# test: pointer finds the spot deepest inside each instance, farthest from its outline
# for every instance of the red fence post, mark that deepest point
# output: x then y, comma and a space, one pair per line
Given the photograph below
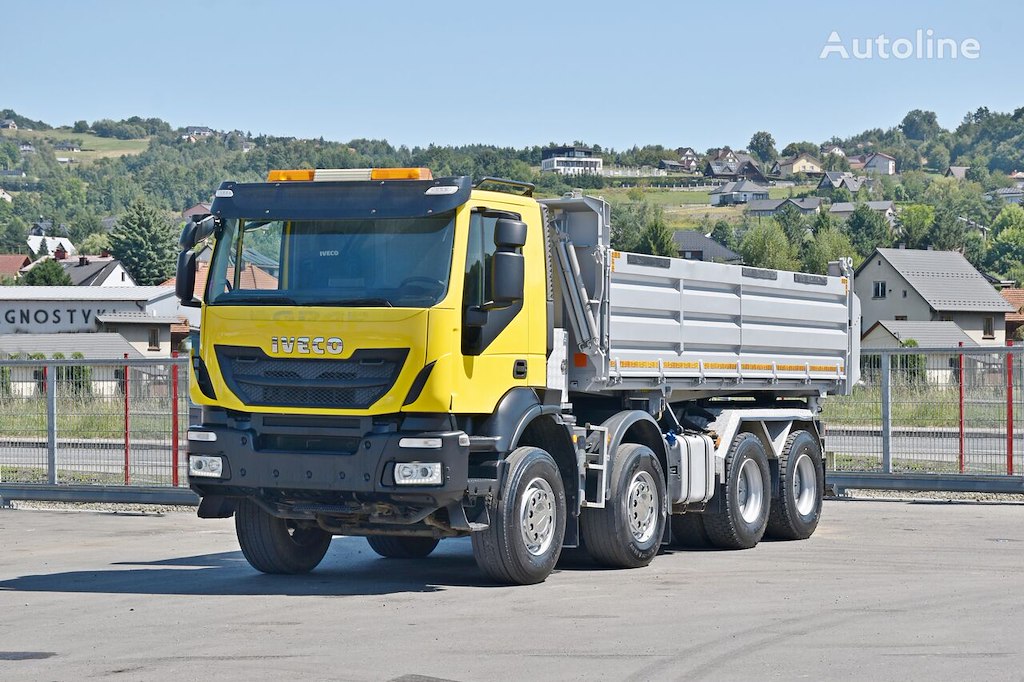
127, 427
1009, 408
960, 371
174, 420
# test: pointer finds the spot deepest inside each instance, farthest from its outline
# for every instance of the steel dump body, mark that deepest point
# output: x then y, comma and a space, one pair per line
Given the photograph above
696, 329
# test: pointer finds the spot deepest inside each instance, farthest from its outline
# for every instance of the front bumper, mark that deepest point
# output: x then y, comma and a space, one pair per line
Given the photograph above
366, 473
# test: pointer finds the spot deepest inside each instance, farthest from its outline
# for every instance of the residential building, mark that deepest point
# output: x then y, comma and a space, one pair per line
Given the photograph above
671, 166
763, 208
1015, 319
1011, 195
881, 164
958, 172
930, 286
570, 161
835, 179
199, 131
105, 380
11, 265
5, 196
26, 148
8, 124
737, 193
251, 277
67, 146
633, 172
693, 245
940, 368
689, 159
832, 149
202, 208
16, 173
801, 163
730, 165
97, 271
53, 245
844, 209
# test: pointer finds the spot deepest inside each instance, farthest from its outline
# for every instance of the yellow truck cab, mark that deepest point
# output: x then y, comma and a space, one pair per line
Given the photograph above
387, 354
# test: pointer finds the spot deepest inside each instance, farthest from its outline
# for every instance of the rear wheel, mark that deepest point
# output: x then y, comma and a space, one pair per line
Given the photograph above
795, 514
738, 520
274, 545
396, 547
627, 532
524, 539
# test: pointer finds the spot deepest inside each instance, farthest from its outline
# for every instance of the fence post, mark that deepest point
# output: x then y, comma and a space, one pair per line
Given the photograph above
1009, 408
886, 361
50, 376
127, 427
960, 381
174, 419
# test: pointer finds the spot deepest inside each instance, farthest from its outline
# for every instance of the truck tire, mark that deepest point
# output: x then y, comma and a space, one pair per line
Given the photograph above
795, 513
397, 547
688, 531
274, 545
627, 532
739, 519
522, 543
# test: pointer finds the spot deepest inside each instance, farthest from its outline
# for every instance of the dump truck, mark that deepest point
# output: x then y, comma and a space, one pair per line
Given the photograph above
410, 359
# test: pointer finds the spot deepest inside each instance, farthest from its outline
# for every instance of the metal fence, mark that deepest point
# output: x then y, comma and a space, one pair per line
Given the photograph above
930, 418
94, 430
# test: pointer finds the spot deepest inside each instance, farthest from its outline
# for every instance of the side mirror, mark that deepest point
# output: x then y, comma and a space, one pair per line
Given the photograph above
509, 233
188, 236
195, 232
185, 279
508, 278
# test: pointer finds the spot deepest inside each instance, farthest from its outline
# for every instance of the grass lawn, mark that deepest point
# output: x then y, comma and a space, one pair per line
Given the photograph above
93, 146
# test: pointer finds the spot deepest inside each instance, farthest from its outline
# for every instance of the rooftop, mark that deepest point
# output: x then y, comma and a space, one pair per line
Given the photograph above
926, 334
94, 346
1015, 297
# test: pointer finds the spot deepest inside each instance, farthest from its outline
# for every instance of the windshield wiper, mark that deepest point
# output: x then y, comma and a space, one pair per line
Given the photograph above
353, 302
264, 297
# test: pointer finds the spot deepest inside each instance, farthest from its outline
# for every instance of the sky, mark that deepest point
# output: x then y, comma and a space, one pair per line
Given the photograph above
520, 73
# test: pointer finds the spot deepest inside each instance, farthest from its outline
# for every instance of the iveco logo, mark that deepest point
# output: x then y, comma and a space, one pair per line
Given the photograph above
329, 253
306, 345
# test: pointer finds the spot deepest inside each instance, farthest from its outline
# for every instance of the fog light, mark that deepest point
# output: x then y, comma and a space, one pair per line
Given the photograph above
431, 443
202, 436
205, 466
418, 473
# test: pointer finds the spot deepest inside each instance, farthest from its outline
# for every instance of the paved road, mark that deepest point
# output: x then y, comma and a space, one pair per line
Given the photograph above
884, 590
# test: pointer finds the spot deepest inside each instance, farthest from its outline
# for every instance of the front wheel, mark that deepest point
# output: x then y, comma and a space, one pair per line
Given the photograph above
524, 539
274, 545
627, 532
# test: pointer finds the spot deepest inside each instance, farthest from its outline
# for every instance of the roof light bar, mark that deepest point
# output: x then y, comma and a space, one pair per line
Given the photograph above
349, 174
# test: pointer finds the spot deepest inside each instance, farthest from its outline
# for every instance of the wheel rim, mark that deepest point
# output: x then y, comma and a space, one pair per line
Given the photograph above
805, 485
537, 516
642, 507
750, 491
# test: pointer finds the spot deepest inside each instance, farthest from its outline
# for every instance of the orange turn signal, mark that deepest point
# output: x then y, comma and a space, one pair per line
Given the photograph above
401, 174
290, 175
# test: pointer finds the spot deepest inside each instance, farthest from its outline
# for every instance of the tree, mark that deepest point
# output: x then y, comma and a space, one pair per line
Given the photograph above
793, 223
1012, 216
724, 233
657, 239
81, 127
762, 145
766, 246
146, 244
868, 230
44, 248
794, 148
1006, 254
948, 232
46, 273
828, 244
95, 243
920, 125
915, 221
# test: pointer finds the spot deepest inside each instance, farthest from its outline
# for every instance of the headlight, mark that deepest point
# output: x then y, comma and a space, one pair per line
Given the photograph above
418, 473
205, 466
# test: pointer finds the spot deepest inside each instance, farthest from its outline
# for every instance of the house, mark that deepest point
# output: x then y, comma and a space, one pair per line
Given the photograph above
730, 165
930, 286
97, 271
671, 166
737, 193
689, 159
1014, 320
1011, 195
12, 173
941, 368
252, 277
11, 264
5, 196
200, 209
833, 149
835, 179
105, 380
844, 209
570, 161
53, 245
26, 148
801, 163
199, 131
8, 124
764, 208
958, 172
67, 146
248, 146
693, 245
880, 163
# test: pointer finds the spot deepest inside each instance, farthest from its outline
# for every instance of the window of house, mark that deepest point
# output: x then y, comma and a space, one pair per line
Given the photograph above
904, 293
900, 318
989, 329
879, 290
154, 338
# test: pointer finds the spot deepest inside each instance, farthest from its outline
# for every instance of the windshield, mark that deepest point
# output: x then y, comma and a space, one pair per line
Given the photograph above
402, 262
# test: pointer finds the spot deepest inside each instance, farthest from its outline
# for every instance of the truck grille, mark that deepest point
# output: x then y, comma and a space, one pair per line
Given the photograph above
356, 383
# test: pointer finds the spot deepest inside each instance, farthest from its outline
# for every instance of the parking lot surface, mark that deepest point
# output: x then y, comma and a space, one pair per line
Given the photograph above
883, 590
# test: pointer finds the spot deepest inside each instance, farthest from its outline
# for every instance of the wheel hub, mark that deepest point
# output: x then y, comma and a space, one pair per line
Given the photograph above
750, 491
537, 516
642, 507
805, 485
